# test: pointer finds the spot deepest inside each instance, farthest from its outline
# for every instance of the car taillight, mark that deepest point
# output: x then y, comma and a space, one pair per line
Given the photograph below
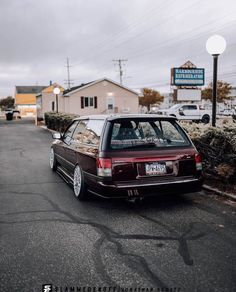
104, 167
198, 160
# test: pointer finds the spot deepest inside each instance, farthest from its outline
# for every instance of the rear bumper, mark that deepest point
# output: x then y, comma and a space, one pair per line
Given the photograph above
132, 189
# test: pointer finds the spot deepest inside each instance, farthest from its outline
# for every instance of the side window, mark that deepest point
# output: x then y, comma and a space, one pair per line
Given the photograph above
189, 107
88, 131
79, 131
93, 132
192, 107
69, 132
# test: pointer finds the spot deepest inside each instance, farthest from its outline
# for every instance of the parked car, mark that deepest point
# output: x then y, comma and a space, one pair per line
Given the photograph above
227, 112
12, 113
193, 112
126, 156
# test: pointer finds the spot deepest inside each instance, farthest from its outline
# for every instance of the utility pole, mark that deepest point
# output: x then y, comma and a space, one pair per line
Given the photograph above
68, 81
120, 67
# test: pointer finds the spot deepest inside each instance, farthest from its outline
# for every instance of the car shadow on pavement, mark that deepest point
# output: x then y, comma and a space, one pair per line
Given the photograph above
159, 202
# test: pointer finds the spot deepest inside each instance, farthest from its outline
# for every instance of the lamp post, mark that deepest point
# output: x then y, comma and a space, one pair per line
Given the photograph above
215, 46
56, 91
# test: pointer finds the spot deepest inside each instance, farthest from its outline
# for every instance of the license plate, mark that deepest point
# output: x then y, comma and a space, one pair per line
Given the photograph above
155, 168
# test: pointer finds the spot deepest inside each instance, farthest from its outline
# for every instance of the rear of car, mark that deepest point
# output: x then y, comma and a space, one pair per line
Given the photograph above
145, 155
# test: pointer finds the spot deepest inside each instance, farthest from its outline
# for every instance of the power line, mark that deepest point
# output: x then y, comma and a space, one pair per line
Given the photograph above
161, 45
119, 42
119, 35
120, 67
180, 40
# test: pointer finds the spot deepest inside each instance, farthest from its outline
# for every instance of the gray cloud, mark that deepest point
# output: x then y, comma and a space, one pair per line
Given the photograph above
37, 36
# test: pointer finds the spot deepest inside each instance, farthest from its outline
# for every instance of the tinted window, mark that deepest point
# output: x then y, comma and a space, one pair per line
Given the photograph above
69, 132
189, 107
148, 133
89, 131
79, 131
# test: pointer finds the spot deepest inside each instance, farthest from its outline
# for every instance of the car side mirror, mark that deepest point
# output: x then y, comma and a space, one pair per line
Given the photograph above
181, 112
57, 136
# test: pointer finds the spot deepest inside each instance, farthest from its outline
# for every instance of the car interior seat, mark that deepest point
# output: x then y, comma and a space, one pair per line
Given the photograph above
126, 132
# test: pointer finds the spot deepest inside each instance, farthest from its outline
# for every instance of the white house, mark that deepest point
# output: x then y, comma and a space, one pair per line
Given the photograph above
96, 97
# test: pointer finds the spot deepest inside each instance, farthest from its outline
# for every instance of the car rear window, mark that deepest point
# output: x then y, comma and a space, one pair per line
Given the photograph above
146, 133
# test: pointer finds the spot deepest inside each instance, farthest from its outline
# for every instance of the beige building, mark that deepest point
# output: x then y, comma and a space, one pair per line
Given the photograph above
46, 100
25, 99
98, 97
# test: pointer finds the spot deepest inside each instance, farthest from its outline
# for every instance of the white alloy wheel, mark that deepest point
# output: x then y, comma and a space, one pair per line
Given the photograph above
77, 181
52, 161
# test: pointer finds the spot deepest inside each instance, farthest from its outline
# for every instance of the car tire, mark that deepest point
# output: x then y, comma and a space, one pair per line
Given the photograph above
52, 160
205, 119
79, 185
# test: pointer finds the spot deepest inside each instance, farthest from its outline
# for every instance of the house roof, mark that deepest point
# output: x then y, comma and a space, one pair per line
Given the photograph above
76, 87
50, 88
84, 85
29, 89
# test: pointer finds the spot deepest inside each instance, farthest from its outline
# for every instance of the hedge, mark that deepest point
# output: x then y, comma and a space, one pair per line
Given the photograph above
58, 121
217, 145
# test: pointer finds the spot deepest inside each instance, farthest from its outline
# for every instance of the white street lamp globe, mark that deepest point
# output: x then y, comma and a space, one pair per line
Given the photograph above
56, 90
216, 45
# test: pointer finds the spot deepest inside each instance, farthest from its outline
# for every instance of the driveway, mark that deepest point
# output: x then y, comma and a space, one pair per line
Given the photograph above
47, 236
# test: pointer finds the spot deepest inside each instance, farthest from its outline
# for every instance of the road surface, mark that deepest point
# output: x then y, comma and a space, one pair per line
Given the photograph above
47, 236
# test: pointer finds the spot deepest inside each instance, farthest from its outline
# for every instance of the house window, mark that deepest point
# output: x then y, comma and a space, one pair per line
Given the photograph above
53, 106
110, 103
88, 102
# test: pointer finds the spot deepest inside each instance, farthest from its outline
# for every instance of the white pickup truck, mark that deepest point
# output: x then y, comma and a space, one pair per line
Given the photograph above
192, 112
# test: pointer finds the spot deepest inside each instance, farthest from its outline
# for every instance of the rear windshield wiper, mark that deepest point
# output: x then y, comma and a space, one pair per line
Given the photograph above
144, 145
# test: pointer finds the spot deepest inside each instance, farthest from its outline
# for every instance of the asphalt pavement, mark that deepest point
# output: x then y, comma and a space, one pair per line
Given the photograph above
47, 236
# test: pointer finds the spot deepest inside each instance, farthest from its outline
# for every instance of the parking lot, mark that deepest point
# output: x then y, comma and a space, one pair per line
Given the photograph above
48, 237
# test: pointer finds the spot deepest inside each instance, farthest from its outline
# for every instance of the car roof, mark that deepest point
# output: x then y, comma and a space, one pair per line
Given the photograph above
111, 117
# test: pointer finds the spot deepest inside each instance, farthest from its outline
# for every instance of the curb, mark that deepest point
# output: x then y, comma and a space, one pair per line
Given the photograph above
45, 128
230, 196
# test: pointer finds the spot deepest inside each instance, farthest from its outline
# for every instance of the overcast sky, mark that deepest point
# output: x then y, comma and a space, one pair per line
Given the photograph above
36, 37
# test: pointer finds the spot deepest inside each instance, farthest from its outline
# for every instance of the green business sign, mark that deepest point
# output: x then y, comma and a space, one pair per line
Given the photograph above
188, 76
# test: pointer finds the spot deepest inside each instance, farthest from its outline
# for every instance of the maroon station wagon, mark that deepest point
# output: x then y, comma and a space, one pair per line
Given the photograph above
126, 156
